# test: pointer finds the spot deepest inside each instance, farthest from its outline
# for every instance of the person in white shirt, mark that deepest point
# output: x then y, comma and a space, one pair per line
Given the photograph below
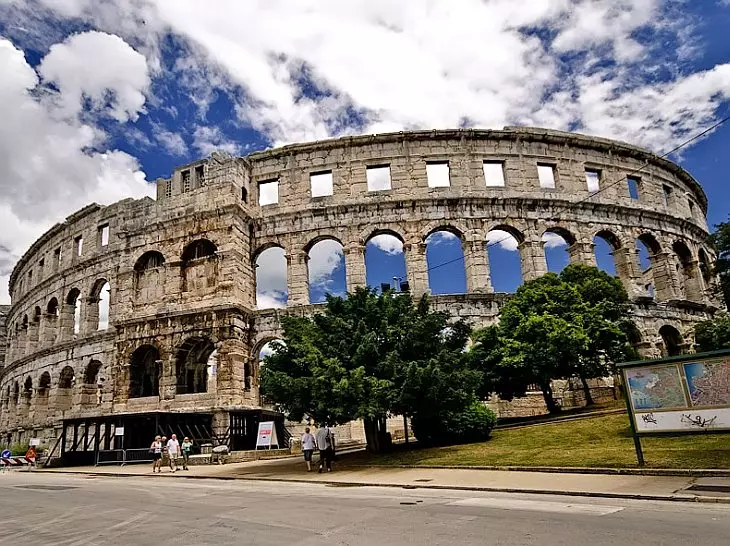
308, 446
326, 445
173, 451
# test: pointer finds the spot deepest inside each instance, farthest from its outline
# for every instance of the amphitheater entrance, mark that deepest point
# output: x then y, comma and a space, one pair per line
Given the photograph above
244, 426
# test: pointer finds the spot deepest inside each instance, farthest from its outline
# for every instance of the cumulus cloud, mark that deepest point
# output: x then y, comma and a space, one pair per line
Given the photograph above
171, 142
553, 240
387, 243
440, 237
53, 162
324, 258
271, 279
209, 139
503, 239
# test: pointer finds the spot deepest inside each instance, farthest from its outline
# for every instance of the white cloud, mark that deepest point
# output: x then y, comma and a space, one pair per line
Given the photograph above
98, 69
387, 243
271, 278
209, 139
503, 239
324, 258
439, 237
173, 143
50, 163
553, 240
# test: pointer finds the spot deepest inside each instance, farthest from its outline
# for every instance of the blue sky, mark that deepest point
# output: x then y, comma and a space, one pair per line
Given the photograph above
97, 99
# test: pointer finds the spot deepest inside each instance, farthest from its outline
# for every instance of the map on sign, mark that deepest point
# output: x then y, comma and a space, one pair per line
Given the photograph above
708, 383
656, 388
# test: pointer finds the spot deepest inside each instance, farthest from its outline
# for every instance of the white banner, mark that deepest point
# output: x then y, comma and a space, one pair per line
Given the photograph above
685, 420
267, 435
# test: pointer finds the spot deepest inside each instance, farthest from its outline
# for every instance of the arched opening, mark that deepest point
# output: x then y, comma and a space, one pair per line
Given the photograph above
74, 301
192, 365
64, 393
271, 278
705, 268
37, 315
44, 384
385, 262
149, 280
91, 374
671, 340
144, 372
687, 286
445, 259
52, 308
505, 264
326, 270
605, 245
6, 398
99, 304
16, 393
648, 250
28, 389
264, 352
555, 242
199, 266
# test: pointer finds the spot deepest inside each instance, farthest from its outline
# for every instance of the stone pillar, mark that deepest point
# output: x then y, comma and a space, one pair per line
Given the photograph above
298, 278
664, 275
66, 322
627, 270
476, 266
355, 266
416, 267
230, 372
582, 253
33, 336
532, 258
50, 329
168, 377
692, 281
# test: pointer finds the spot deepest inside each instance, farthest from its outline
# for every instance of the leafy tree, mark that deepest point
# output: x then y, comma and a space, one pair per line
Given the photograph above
557, 326
713, 334
367, 356
720, 239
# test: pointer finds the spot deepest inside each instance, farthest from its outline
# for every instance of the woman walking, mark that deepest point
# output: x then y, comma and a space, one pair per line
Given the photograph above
308, 445
187, 448
156, 451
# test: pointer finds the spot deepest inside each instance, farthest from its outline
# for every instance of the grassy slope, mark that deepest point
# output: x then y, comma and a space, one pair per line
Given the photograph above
597, 442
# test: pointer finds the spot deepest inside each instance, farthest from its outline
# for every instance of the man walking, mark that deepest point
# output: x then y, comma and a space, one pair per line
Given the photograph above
173, 451
326, 445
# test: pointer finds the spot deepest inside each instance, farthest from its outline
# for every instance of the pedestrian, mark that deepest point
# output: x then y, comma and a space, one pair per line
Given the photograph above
173, 451
325, 444
165, 457
187, 450
308, 445
156, 452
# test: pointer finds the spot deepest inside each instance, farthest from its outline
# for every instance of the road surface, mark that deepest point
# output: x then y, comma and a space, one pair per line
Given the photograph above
40, 508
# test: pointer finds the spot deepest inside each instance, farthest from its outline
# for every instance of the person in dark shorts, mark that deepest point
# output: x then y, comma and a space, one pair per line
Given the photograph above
308, 445
156, 452
326, 445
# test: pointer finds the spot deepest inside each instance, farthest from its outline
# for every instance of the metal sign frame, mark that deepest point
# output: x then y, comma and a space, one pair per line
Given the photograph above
684, 416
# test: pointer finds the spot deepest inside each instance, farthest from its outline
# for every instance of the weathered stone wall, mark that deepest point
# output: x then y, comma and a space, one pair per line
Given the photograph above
181, 268
3, 333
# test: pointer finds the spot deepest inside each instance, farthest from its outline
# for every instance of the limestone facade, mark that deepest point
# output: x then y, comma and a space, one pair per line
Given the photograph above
176, 275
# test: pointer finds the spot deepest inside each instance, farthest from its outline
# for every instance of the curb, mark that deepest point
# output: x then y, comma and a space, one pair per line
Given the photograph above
593, 494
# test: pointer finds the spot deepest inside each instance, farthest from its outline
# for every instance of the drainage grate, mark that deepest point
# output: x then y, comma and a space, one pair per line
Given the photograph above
47, 487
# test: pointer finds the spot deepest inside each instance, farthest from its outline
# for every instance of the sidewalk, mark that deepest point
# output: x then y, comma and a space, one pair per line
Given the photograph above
592, 485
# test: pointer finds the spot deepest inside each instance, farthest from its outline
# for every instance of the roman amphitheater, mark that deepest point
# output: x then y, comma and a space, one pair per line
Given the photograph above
143, 314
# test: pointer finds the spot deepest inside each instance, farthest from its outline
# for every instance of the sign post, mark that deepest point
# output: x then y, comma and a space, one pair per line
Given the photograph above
686, 394
267, 435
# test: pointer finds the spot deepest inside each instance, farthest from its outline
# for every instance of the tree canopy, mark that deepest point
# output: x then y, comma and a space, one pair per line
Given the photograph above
720, 239
713, 334
555, 327
367, 356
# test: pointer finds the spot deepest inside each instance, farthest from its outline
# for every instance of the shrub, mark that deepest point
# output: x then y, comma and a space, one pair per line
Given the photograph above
473, 424
18, 450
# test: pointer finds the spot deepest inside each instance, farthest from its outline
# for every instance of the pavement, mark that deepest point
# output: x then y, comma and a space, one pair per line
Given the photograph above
76, 509
627, 486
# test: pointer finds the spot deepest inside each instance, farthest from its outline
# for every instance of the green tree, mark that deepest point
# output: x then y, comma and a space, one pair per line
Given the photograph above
720, 240
367, 356
557, 326
713, 334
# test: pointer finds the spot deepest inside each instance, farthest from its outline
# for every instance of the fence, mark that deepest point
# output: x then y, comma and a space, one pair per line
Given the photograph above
123, 456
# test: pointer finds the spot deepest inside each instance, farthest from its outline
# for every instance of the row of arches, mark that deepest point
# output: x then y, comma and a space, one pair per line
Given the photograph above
448, 263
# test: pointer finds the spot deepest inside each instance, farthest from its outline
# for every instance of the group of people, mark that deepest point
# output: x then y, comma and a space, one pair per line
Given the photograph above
170, 450
323, 440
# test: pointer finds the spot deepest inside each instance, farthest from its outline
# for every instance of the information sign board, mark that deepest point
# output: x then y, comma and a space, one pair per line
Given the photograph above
266, 435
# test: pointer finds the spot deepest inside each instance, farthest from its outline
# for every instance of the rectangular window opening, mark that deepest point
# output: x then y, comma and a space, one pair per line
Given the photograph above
437, 174
104, 235
691, 207
56, 259
79, 245
268, 192
593, 180
493, 173
168, 188
633, 184
667, 194
200, 175
321, 184
186, 185
546, 175
378, 177
244, 195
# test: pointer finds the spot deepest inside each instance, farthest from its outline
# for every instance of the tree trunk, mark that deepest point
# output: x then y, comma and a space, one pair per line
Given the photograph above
375, 434
587, 391
547, 394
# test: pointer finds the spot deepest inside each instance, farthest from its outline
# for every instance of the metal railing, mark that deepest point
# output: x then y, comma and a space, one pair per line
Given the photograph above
123, 456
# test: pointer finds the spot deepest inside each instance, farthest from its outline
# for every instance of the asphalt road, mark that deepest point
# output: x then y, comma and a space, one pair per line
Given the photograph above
48, 508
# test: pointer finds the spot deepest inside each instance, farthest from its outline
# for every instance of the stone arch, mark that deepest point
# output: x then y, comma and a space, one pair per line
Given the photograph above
655, 279
144, 372
28, 389
52, 307
67, 378
262, 349
385, 260
199, 266
44, 384
50, 327
149, 276
506, 256
606, 246
37, 314
705, 264
91, 373
687, 285
559, 246
272, 276
64, 392
16, 393
326, 268
191, 365
445, 260
73, 301
6, 398
672, 341
455, 228
99, 306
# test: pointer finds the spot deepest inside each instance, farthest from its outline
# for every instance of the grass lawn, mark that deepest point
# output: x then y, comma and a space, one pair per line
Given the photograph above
597, 442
